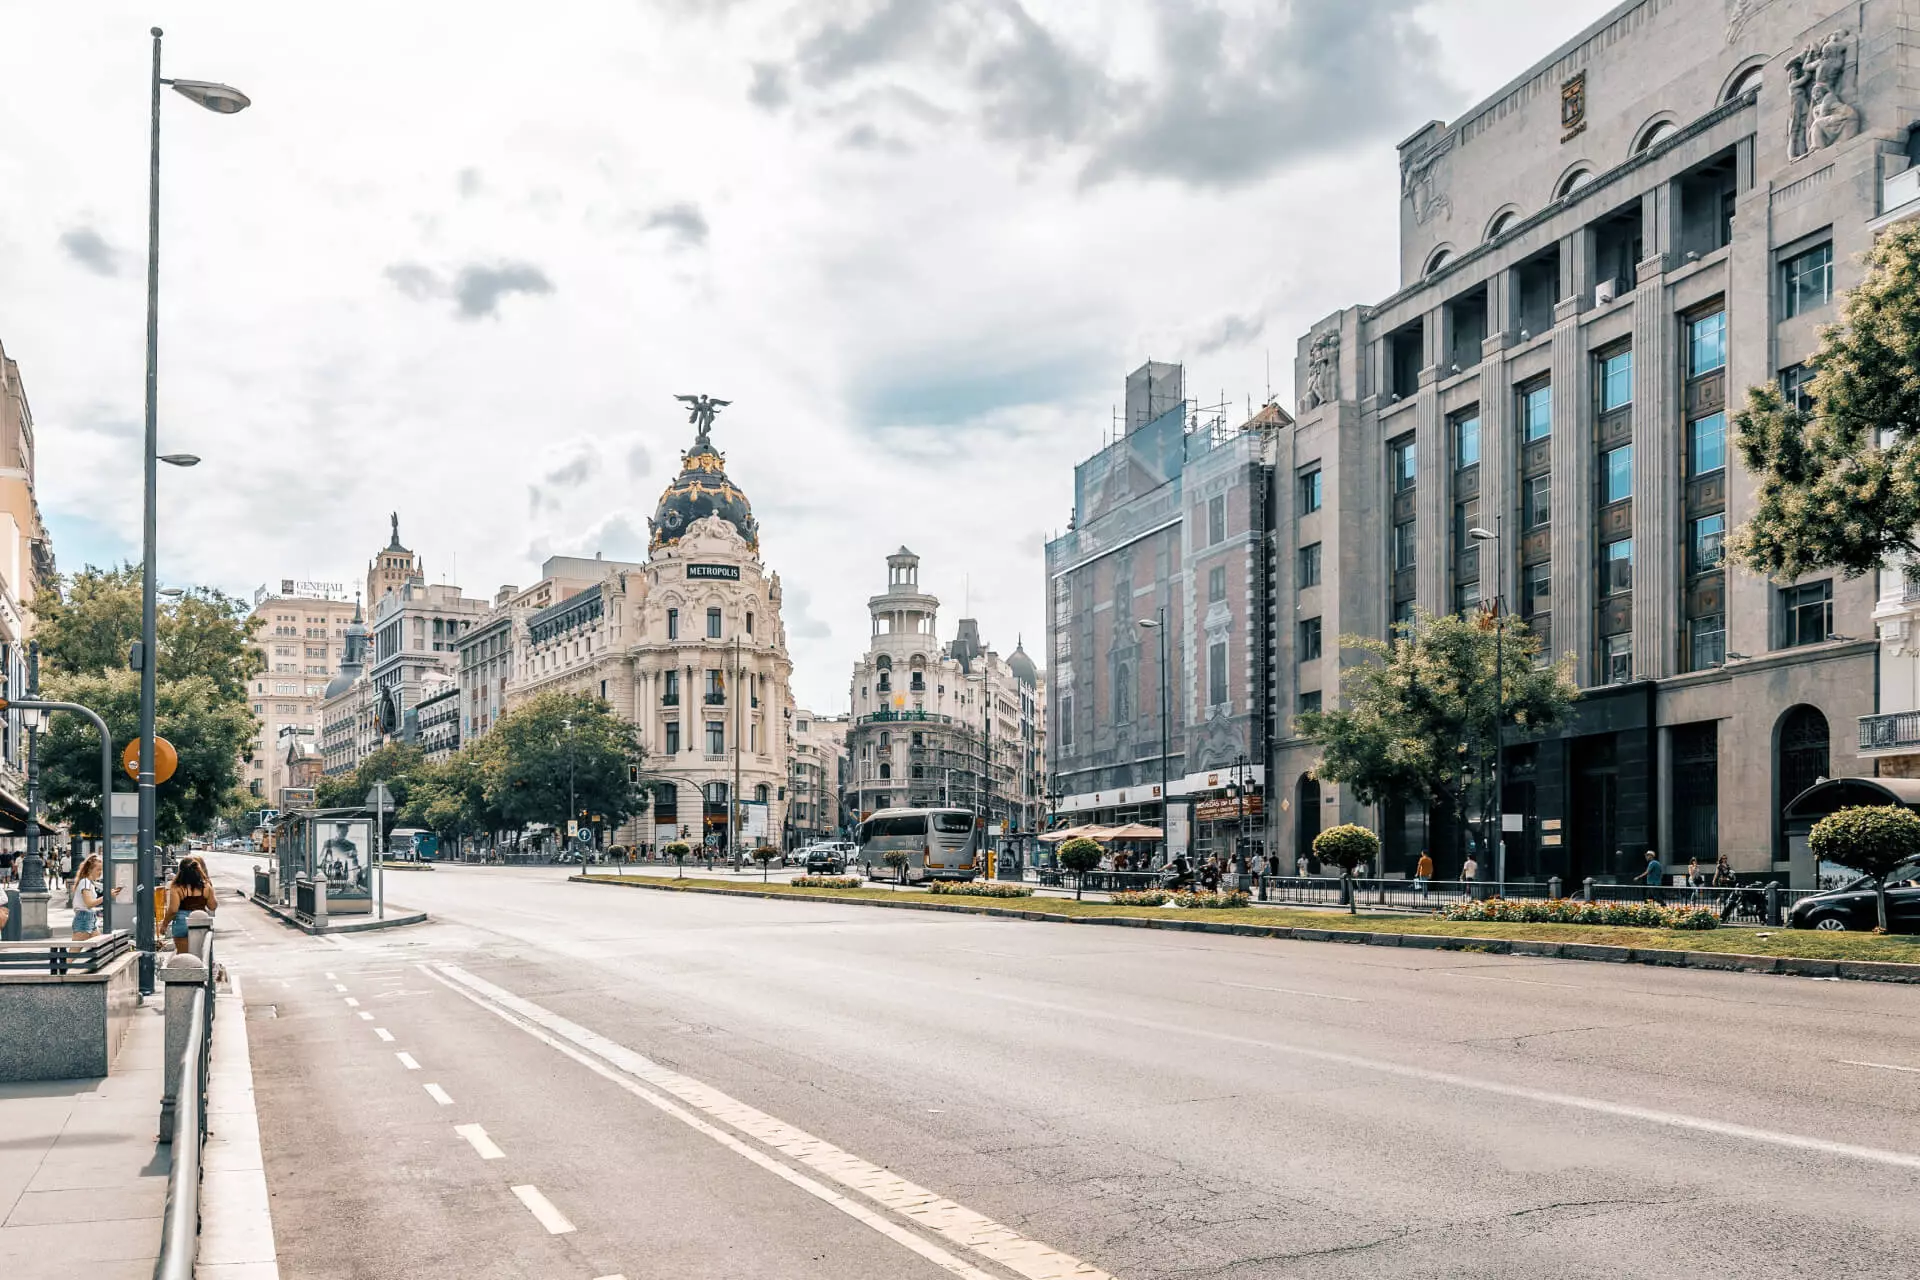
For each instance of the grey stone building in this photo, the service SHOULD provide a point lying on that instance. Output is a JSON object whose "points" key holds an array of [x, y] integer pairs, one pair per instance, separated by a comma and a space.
{"points": [[1596, 262]]}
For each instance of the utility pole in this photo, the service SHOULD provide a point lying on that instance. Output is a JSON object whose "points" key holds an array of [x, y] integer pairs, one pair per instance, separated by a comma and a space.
{"points": [[736, 812]]}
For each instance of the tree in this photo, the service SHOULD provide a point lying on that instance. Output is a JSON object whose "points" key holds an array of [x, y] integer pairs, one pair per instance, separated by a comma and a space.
{"points": [[208, 732], [560, 746], [1840, 486], [898, 860], [397, 764], [1876, 839], [1346, 846], [92, 624], [451, 797], [1421, 717], [1080, 855], [678, 851]]}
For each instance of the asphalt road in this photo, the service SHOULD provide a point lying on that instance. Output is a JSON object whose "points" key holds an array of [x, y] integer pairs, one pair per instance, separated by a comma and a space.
{"points": [[705, 1086]]}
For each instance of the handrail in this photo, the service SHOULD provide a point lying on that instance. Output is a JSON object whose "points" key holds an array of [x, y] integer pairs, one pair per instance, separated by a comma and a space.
{"points": [[180, 1225], [89, 955]]}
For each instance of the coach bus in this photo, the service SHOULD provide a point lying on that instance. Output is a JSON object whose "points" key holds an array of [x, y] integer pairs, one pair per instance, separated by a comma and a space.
{"points": [[940, 844]]}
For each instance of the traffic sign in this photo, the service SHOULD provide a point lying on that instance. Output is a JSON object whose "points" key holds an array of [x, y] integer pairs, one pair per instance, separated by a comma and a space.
{"points": [[165, 759], [378, 797]]}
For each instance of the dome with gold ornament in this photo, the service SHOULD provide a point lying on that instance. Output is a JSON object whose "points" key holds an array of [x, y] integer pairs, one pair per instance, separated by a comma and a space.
{"points": [[701, 489]]}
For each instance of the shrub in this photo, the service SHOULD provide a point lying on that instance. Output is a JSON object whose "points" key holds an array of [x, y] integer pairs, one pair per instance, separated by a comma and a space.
{"points": [[1141, 897], [1877, 839], [1080, 855], [980, 889], [1632, 915], [676, 848], [1219, 898], [1346, 847], [826, 882], [898, 859]]}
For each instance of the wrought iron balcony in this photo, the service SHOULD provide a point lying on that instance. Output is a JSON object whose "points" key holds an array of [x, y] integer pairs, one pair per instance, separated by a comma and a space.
{"points": [[716, 699], [669, 699], [1896, 731]]}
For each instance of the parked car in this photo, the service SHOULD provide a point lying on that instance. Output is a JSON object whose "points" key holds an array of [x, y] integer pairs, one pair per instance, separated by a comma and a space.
{"points": [[1852, 906], [825, 860]]}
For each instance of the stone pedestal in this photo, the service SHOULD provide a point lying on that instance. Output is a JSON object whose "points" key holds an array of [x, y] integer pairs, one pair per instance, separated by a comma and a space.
{"points": [[33, 916]]}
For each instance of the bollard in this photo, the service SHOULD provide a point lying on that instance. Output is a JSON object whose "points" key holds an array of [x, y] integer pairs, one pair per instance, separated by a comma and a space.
{"points": [[199, 932], [1773, 902], [1553, 886], [183, 976], [1589, 889]]}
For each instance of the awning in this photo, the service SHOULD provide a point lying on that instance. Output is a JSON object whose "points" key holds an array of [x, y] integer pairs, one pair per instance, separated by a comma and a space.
{"points": [[1134, 831], [1093, 831], [1834, 794]]}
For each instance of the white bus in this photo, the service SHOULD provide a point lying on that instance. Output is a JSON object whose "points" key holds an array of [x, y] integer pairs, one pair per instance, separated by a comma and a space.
{"points": [[940, 844]]}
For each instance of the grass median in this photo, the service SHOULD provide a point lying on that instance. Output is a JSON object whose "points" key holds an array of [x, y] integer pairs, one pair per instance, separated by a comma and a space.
{"points": [[1798, 943]]}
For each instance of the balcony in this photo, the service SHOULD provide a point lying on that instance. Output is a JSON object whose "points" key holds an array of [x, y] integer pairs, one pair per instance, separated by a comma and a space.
{"points": [[715, 699], [879, 717], [1898, 190], [1895, 733], [669, 699]]}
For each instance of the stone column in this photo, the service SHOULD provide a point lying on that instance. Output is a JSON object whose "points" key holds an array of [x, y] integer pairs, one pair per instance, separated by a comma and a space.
{"points": [[1657, 544], [182, 976], [1574, 597]]}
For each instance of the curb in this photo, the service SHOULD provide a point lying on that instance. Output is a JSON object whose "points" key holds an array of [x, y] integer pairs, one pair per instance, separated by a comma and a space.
{"points": [[1725, 961], [357, 926]]}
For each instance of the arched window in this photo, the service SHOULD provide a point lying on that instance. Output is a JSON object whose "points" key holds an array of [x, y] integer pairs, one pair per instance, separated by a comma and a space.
{"points": [[1439, 259], [1502, 223], [886, 770], [1651, 134], [1577, 178], [1745, 81], [716, 793], [761, 794], [1802, 757]]}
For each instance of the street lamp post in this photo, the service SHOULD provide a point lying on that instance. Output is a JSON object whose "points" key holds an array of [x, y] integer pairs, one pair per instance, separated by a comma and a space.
{"points": [[1159, 624], [1499, 820], [221, 100]]}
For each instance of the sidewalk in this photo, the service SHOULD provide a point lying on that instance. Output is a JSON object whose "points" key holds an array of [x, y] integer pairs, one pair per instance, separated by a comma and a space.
{"points": [[85, 1152]]}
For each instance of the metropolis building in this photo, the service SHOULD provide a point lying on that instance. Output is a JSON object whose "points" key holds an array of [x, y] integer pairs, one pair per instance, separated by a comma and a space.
{"points": [[1596, 262]]}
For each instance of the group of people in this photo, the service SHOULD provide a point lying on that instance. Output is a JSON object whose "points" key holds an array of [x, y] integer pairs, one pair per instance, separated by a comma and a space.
{"points": [[190, 890]]}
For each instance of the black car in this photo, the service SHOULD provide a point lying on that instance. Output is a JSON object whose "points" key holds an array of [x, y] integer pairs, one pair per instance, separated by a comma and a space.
{"points": [[825, 862], [1853, 907]]}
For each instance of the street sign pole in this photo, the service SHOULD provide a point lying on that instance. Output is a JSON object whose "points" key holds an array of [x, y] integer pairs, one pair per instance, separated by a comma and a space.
{"points": [[379, 798]]}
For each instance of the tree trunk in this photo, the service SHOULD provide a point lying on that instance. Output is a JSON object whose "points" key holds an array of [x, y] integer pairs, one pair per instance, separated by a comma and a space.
{"points": [[1353, 906], [1880, 901]]}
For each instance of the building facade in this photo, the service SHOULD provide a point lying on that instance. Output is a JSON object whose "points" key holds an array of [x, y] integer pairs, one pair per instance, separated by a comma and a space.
{"points": [[301, 640], [1596, 261], [816, 771], [348, 711], [437, 718], [26, 566], [1171, 527]]}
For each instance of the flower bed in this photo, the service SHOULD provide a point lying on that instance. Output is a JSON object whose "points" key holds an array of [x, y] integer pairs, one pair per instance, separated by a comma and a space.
{"points": [[980, 889], [1215, 900], [1640, 915], [1140, 897], [826, 882]]}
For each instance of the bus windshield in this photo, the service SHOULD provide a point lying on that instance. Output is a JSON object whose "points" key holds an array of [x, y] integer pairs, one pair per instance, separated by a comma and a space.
{"points": [[953, 823], [906, 824]]}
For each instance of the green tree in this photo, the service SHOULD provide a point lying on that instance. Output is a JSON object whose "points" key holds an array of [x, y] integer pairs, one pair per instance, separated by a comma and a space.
{"points": [[451, 797], [1346, 846], [1876, 839], [1839, 488], [559, 745], [91, 624], [209, 733], [1420, 718], [397, 764], [1080, 855]]}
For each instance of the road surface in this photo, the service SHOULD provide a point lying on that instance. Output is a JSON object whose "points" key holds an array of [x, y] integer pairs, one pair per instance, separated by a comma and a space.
{"points": [[565, 1080]]}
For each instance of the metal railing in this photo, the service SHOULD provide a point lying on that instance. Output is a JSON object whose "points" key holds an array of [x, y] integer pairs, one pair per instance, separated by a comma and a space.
{"points": [[90, 955], [180, 1223], [1894, 729]]}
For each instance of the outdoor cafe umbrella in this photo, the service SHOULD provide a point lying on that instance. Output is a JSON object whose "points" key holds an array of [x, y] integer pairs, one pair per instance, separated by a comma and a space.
{"points": [[1134, 831], [1093, 830]]}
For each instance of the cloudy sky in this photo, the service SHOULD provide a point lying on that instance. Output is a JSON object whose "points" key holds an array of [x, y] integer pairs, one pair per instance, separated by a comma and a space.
{"points": [[457, 259]]}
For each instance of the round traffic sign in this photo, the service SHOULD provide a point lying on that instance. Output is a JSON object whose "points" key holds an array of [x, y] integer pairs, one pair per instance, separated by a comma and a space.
{"points": [[165, 759]]}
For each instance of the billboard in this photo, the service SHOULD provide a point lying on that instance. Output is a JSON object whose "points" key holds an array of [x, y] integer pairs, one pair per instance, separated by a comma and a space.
{"points": [[344, 856]]}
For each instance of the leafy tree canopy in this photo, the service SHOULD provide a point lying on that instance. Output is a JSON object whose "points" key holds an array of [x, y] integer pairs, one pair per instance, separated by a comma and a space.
{"points": [[1840, 487], [561, 745], [1876, 839], [1346, 846], [91, 623]]}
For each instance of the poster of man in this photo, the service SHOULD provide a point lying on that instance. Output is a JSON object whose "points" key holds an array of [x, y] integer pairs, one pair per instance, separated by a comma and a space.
{"points": [[345, 853]]}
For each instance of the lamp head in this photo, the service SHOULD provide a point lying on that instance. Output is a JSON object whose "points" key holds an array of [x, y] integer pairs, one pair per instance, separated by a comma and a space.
{"points": [[223, 99], [181, 459], [1480, 535], [1149, 622]]}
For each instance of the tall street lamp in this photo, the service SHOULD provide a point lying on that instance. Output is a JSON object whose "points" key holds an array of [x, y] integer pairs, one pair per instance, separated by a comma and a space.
{"points": [[1497, 834], [1159, 625], [222, 100]]}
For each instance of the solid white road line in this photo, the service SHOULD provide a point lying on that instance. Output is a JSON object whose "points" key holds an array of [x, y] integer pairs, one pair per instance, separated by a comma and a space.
{"points": [[1883, 1066], [406, 1060], [438, 1094], [364, 1016], [1289, 991], [542, 1209], [477, 1139], [960, 1225], [352, 1003], [384, 1034]]}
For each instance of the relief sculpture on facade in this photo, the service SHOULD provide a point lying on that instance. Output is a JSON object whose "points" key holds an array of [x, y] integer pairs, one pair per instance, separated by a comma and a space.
{"points": [[1420, 182], [1323, 371], [1818, 116]]}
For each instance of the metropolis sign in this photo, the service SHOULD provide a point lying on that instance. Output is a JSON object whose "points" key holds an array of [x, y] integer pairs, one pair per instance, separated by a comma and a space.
{"points": [[726, 572]]}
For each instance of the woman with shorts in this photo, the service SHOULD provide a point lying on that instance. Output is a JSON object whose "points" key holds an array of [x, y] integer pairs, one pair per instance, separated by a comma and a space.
{"points": [[87, 899], [190, 891]]}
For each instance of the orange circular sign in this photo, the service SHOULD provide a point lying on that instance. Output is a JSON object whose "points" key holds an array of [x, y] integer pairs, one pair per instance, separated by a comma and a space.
{"points": [[165, 759]]}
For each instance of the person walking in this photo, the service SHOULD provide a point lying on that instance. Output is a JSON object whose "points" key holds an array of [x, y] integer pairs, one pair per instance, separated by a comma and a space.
{"points": [[1722, 872], [87, 899], [1652, 874], [190, 891], [1422, 873], [1470, 872]]}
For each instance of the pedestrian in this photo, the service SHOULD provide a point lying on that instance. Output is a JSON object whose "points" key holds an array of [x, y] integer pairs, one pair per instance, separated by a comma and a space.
{"points": [[87, 899], [1422, 873], [1653, 873], [1695, 881], [1722, 872], [190, 891], [1300, 866], [1469, 872]]}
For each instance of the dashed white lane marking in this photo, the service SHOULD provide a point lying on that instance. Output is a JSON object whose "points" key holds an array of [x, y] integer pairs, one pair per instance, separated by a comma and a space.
{"points": [[542, 1209], [338, 986], [352, 1003], [406, 1060], [1289, 991], [1883, 1066], [936, 1213], [610, 1278], [477, 1139], [364, 1016], [330, 977], [438, 1094], [384, 1034]]}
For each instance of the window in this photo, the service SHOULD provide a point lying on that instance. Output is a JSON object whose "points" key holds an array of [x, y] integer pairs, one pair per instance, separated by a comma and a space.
{"points": [[716, 737], [1217, 673], [673, 737], [1807, 613], [1616, 566], [1806, 281], [716, 687], [1704, 540], [1706, 444], [1572, 183], [1466, 440], [1402, 616], [1616, 659], [750, 632], [670, 694], [1616, 381], [1401, 462], [1310, 492], [1216, 520], [1309, 566], [1796, 387], [1536, 590], [1216, 584], [713, 624], [1536, 413], [1616, 474], [1466, 598], [1403, 545], [1536, 501], [673, 624], [1707, 641], [1707, 344], [1307, 702], [1309, 647]]}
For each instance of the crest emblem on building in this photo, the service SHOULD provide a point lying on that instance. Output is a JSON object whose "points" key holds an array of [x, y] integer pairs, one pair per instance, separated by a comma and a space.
{"points": [[1573, 106]]}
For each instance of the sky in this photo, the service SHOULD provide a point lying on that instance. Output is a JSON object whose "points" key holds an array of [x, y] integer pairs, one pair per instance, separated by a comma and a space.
{"points": [[456, 260]]}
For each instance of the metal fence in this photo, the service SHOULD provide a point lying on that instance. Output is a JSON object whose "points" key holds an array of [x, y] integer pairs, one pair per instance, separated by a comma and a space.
{"points": [[180, 1223], [91, 955]]}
